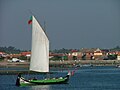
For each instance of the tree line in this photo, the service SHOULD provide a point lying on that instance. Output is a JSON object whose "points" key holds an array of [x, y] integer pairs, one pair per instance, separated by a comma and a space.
{"points": [[10, 50], [13, 50]]}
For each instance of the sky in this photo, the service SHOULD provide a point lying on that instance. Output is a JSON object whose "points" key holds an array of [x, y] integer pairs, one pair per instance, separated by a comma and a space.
{"points": [[70, 24]]}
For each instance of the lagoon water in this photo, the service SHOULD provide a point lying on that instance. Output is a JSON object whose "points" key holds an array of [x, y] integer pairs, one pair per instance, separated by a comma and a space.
{"points": [[85, 78]]}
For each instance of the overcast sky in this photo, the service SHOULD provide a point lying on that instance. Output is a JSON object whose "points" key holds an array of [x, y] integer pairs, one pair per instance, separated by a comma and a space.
{"points": [[69, 23]]}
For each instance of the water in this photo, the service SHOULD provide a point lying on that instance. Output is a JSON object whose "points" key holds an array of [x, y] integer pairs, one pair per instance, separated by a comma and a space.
{"points": [[85, 78]]}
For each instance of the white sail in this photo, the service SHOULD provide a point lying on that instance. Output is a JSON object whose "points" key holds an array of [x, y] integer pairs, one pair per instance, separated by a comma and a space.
{"points": [[40, 48]]}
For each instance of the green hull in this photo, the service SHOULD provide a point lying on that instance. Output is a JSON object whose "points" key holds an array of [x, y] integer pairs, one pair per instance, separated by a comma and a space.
{"points": [[23, 82]]}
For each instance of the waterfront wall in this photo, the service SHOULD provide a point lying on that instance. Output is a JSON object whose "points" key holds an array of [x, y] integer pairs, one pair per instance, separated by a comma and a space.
{"points": [[67, 62], [82, 62]]}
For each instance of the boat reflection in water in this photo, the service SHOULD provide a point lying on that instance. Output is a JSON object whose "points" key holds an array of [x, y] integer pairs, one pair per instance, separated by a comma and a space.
{"points": [[40, 87]]}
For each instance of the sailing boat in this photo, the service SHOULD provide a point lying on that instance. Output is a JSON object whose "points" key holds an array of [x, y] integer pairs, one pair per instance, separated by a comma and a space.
{"points": [[40, 58]]}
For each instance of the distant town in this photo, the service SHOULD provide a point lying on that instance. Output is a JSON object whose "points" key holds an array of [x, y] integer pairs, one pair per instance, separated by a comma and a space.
{"points": [[8, 53]]}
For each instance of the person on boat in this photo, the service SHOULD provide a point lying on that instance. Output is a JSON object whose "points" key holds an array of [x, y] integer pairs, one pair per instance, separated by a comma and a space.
{"points": [[33, 78], [60, 77]]}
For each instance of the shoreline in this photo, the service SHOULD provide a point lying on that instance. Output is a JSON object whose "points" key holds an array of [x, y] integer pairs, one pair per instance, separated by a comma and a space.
{"points": [[53, 64]]}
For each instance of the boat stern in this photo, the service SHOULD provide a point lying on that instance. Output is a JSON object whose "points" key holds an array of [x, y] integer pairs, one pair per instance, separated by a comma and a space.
{"points": [[18, 79]]}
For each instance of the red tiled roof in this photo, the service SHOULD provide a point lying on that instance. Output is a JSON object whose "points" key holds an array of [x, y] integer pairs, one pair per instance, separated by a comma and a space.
{"points": [[2, 53], [25, 53], [55, 54], [74, 50]]}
